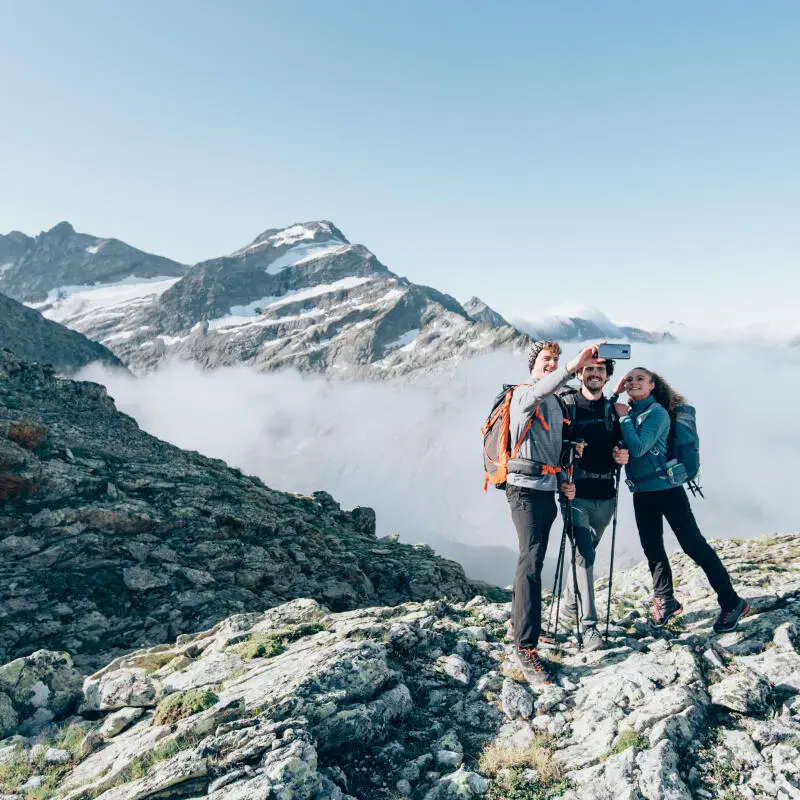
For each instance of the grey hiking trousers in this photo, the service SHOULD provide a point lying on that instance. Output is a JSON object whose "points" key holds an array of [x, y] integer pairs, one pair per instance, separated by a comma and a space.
{"points": [[590, 518]]}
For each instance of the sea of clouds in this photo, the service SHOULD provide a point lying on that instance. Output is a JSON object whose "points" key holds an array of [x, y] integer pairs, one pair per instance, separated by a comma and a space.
{"points": [[413, 451]]}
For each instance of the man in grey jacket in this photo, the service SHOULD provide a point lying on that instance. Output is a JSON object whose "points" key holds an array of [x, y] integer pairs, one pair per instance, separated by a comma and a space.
{"points": [[534, 477]]}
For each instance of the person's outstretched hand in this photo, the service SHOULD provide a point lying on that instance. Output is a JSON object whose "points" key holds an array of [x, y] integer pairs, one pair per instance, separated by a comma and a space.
{"points": [[588, 357]]}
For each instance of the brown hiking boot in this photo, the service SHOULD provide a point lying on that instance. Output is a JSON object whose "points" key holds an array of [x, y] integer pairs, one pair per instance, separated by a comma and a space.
{"points": [[532, 666], [664, 608]]}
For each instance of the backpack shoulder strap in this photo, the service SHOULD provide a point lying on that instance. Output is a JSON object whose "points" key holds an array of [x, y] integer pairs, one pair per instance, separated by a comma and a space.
{"points": [[611, 416]]}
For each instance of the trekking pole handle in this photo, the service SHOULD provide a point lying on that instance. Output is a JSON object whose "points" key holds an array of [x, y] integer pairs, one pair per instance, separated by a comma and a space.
{"points": [[571, 462]]}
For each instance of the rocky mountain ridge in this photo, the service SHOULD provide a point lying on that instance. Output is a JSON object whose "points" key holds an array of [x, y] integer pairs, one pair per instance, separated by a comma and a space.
{"points": [[423, 701], [112, 539], [301, 296], [60, 258]]}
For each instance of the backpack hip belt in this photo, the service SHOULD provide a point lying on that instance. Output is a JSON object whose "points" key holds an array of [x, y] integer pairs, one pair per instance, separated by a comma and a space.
{"points": [[532, 469]]}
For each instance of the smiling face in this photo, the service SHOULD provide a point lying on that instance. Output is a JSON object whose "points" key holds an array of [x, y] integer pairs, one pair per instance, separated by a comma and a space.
{"points": [[594, 378], [639, 384], [545, 363]]}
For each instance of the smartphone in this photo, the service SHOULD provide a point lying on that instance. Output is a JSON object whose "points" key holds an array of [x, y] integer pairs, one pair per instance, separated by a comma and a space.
{"points": [[614, 351]]}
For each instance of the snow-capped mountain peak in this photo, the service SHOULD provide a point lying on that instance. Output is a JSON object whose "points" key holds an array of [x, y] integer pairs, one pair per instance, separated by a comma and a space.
{"points": [[300, 296], [305, 233]]}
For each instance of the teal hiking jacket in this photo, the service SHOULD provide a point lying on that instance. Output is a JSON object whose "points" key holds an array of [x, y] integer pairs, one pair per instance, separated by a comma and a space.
{"points": [[645, 430]]}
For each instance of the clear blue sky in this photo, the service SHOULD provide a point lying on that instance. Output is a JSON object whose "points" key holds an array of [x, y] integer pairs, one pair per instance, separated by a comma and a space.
{"points": [[640, 157]]}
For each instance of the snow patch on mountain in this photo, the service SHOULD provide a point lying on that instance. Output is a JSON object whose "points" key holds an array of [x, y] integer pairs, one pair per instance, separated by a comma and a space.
{"points": [[406, 341], [69, 302], [244, 315], [302, 254]]}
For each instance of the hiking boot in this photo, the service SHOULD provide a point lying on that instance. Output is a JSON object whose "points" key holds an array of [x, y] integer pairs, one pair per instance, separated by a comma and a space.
{"points": [[532, 666], [727, 620], [664, 608], [592, 640]]}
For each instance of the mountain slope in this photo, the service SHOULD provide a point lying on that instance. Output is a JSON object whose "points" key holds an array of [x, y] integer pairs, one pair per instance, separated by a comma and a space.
{"points": [[480, 312], [113, 539], [33, 338]]}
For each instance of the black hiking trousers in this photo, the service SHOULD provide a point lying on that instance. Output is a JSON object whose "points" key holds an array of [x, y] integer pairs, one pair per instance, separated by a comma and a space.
{"points": [[651, 508], [533, 512]]}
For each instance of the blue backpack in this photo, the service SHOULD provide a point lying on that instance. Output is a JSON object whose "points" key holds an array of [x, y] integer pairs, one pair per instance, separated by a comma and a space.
{"points": [[683, 449]]}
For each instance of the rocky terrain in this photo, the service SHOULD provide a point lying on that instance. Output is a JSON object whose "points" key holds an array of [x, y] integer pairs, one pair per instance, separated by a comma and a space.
{"points": [[301, 297], [34, 338], [111, 539], [422, 700]]}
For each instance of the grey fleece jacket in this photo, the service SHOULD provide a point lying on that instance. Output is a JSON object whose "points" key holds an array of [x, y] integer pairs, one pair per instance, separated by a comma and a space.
{"points": [[540, 446]]}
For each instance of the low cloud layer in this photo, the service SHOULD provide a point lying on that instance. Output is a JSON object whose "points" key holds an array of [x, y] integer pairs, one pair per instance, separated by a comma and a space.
{"points": [[413, 451]]}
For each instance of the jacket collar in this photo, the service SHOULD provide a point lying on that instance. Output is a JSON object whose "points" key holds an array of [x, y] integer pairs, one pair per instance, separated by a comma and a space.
{"points": [[642, 405]]}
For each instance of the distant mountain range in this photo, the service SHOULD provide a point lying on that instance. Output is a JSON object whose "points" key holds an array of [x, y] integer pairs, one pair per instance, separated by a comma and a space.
{"points": [[301, 296]]}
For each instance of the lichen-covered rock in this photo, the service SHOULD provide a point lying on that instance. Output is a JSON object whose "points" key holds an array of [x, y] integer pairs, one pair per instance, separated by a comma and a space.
{"points": [[40, 687], [460, 785], [780, 664], [745, 691], [368, 703], [659, 778], [517, 700], [120, 689], [9, 719]]}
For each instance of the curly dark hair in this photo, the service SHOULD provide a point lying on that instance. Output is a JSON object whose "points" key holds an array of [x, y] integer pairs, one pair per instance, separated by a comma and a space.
{"points": [[663, 393], [609, 367]]}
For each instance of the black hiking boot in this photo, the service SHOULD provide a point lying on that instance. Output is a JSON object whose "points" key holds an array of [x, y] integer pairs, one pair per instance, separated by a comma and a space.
{"points": [[728, 620], [664, 608], [532, 666]]}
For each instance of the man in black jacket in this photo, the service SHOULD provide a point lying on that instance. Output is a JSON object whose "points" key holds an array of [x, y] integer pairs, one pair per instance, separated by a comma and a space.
{"points": [[594, 419]]}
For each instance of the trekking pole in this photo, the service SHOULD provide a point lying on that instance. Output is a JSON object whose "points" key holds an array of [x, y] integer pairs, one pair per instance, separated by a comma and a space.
{"points": [[558, 583], [569, 528], [618, 476]]}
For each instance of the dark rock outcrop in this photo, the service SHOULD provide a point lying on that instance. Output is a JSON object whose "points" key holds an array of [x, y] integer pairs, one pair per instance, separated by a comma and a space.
{"points": [[34, 338], [111, 539]]}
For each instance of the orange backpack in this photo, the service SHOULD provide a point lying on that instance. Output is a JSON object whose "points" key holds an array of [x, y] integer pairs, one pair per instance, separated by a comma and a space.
{"points": [[497, 450]]}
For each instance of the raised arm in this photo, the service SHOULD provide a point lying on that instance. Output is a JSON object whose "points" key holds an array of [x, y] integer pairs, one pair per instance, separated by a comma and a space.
{"points": [[532, 396], [654, 427]]}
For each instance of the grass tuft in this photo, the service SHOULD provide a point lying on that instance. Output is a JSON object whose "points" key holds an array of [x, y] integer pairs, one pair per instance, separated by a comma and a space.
{"points": [[183, 704]]}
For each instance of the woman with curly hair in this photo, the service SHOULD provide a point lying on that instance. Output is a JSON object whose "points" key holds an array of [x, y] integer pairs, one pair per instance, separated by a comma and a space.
{"points": [[645, 426]]}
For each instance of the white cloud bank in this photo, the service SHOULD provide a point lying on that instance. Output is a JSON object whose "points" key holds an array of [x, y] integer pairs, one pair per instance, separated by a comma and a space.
{"points": [[413, 451]]}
